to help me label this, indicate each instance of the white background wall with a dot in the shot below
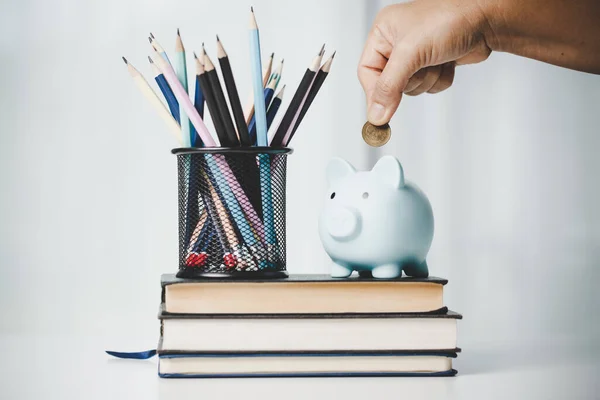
(508, 158)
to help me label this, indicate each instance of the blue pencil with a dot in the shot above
(274, 107)
(261, 134)
(260, 112)
(166, 90)
(268, 96)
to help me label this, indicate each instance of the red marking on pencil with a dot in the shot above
(229, 260)
(196, 259)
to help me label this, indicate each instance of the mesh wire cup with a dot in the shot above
(232, 212)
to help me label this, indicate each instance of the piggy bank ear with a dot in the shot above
(337, 169)
(389, 171)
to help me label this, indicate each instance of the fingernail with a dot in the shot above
(376, 112)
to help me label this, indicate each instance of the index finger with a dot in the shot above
(373, 60)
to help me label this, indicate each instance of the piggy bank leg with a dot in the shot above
(365, 274)
(340, 271)
(387, 271)
(417, 270)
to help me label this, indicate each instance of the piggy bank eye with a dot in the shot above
(365, 195)
(332, 195)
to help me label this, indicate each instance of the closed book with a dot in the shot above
(308, 332)
(261, 364)
(303, 294)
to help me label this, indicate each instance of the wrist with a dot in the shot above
(493, 25)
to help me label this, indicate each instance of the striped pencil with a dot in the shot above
(314, 89)
(154, 100)
(289, 117)
(165, 89)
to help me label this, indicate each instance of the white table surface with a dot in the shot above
(61, 367)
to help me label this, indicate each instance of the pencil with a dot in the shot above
(259, 104)
(199, 95)
(296, 103)
(261, 135)
(211, 102)
(276, 74)
(314, 89)
(234, 98)
(185, 102)
(154, 100)
(213, 183)
(159, 48)
(249, 109)
(181, 71)
(213, 212)
(274, 107)
(217, 91)
(208, 140)
(268, 94)
(165, 89)
(199, 231)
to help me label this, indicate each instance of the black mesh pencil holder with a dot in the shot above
(232, 212)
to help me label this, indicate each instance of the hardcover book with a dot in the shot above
(303, 294)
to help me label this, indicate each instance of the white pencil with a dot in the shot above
(150, 94)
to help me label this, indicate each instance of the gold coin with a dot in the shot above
(376, 136)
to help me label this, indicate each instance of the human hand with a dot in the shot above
(413, 49)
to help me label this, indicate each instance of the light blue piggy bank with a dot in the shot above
(375, 222)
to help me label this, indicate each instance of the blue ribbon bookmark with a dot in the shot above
(139, 355)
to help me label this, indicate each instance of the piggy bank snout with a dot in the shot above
(342, 223)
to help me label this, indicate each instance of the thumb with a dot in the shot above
(386, 93)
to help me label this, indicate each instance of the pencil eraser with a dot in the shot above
(196, 259)
(229, 260)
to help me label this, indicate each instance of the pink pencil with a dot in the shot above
(184, 100)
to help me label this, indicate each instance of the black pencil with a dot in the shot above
(296, 102)
(219, 96)
(234, 98)
(210, 102)
(314, 89)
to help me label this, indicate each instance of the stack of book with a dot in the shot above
(305, 325)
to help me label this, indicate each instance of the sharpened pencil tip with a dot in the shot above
(251, 9)
(333, 55)
(272, 55)
(218, 40)
(150, 39)
(178, 32)
(124, 60)
(149, 59)
(195, 56)
(322, 50)
(151, 35)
